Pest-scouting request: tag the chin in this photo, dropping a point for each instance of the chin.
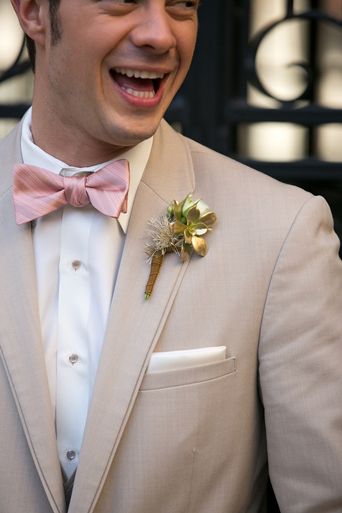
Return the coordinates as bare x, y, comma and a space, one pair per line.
134, 135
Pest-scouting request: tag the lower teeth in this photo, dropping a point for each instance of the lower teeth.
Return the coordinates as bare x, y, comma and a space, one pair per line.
140, 94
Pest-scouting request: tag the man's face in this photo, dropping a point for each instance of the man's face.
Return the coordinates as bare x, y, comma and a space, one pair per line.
116, 67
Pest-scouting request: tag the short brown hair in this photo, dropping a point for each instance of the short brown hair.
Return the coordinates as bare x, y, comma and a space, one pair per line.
55, 31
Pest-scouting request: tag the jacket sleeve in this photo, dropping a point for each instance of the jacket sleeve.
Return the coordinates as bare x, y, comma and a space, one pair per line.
300, 369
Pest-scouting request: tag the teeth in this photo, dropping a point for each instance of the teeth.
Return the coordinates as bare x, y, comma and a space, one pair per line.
140, 94
139, 74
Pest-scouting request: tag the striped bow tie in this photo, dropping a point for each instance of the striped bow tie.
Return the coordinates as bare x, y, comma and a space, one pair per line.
37, 192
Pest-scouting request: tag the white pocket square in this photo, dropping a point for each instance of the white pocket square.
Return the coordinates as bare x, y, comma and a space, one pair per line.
173, 360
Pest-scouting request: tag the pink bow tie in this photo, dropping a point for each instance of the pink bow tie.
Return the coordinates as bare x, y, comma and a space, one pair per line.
37, 192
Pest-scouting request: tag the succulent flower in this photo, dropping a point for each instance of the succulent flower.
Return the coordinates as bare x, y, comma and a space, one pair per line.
180, 231
191, 219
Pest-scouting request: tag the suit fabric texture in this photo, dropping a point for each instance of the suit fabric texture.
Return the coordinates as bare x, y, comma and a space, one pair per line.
204, 439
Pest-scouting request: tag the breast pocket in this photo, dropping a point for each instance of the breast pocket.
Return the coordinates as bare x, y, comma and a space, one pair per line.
180, 428
188, 375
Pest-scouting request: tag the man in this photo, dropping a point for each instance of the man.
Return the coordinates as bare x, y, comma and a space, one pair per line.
230, 371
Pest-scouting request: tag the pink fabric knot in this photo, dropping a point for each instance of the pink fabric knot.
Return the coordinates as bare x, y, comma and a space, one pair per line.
37, 192
75, 191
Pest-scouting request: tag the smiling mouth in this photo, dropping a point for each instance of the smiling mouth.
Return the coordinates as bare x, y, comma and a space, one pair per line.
138, 83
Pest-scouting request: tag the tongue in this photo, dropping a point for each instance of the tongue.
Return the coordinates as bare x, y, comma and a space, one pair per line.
138, 84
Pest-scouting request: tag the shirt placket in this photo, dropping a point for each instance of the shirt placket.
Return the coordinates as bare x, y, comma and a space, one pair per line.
72, 382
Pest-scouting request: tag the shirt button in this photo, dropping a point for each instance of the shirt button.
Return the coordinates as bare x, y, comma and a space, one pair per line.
71, 455
73, 358
76, 264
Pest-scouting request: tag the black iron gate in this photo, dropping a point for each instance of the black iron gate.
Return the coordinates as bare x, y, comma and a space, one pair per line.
213, 103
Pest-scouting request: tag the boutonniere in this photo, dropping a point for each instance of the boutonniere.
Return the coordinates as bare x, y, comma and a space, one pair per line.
180, 231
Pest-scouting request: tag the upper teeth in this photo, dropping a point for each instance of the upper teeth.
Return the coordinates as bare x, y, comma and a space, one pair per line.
139, 74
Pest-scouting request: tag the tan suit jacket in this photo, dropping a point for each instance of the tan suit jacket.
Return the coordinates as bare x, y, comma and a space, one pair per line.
199, 440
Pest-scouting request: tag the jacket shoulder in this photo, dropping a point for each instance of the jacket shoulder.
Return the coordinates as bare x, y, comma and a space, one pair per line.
236, 178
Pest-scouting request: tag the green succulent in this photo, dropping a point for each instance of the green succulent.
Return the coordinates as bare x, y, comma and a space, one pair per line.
190, 220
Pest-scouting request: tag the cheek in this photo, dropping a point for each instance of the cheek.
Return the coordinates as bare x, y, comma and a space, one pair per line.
186, 47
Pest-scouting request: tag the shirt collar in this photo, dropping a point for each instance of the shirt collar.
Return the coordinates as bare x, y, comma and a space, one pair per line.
136, 156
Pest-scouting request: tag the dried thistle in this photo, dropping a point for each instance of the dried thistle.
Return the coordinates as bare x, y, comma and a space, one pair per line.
162, 238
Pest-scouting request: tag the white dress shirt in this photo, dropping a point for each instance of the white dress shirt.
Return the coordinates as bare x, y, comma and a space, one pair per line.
77, 255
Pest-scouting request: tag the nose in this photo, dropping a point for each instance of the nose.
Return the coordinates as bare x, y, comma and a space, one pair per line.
154, 29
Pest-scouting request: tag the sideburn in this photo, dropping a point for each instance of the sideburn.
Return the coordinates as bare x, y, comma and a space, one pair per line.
56, 31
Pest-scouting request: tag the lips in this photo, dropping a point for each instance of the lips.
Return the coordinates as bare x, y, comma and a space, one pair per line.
138, 83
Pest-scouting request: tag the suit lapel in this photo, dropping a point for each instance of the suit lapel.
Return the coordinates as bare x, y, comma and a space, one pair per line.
21, 346
135, 324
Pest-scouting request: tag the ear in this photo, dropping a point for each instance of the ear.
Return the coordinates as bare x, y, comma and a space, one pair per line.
32, 18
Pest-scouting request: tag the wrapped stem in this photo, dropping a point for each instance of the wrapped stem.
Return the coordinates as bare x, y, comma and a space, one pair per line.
156, 262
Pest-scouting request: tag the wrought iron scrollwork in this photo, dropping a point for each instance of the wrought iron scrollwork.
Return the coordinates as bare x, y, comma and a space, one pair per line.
312, 16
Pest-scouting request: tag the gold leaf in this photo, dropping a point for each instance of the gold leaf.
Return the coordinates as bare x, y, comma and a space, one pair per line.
209, 218
188, 237
199, 226
203, 207
187, 203
178, 227
193, 215
200, 231
199, 245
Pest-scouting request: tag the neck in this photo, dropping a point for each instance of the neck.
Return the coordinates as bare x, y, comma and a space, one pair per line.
60, 140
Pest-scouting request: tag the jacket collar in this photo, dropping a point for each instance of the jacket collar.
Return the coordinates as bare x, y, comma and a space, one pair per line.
20, 341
